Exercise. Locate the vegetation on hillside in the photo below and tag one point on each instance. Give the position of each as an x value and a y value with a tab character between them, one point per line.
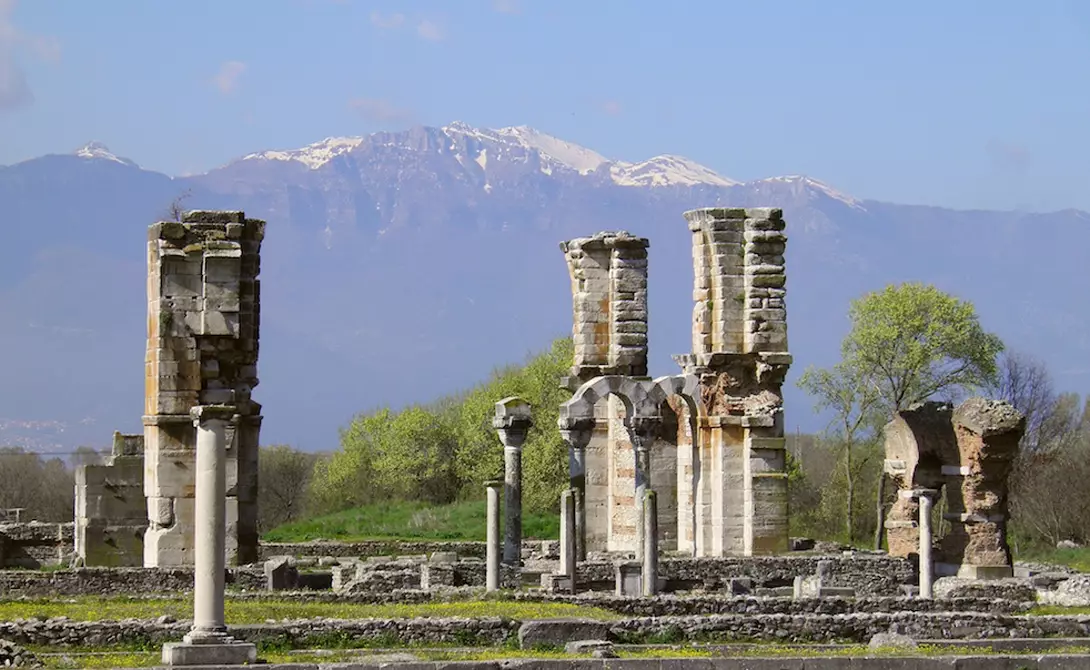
444	452
407	520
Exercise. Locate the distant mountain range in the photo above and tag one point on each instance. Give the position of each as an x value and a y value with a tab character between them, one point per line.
402	266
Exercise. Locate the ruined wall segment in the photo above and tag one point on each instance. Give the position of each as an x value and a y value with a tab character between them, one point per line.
203	323
967	454
988	433
111	513
740	354
608	274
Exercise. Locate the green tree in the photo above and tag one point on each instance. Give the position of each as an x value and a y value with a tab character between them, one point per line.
284	477
907	343
912	342
853	402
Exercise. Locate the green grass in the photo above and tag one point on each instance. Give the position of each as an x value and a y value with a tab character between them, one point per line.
1079	558
407	521
260	610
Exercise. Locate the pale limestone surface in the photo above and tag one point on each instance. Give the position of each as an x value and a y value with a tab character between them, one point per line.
203	320
714	434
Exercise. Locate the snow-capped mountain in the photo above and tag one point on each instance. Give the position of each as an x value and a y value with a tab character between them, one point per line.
98	151
519	144
400	266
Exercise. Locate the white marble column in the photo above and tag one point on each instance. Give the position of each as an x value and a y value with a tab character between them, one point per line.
492	539
926	562
208	643
513	422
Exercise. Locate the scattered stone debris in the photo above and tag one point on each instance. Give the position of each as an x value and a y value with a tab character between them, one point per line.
14	656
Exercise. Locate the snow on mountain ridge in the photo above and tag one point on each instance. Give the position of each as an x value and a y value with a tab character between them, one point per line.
313	155
667	171
807	182
555	153
96	149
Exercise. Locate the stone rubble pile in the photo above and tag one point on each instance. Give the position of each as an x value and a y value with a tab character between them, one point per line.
14	656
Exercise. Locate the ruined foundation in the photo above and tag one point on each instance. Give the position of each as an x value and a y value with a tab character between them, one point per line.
203	320
111	512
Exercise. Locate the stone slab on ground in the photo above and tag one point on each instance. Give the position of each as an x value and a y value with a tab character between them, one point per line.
558	632
232	653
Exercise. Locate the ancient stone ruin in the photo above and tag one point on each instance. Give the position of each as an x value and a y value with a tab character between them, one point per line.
202	348
964	455
710	440
203	319
111	512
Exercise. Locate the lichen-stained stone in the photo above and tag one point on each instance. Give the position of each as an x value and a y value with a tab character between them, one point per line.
203	329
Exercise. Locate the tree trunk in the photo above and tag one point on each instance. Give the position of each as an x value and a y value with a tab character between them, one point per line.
851	497
880	526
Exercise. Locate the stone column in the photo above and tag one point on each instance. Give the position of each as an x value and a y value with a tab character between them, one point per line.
512	422
577	434
650	524
568	556
208	642
926	564
492	541
642	431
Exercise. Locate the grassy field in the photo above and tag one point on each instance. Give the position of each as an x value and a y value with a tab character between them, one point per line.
408	521
1078	559
258	611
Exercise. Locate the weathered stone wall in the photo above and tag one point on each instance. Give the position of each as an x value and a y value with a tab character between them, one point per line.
116	581
809	627
203	320
111	512
609	301
35	544
740	355
464	549
868	575
966	454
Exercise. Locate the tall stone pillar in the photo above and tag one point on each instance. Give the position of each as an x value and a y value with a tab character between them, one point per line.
208	642
577	435
512	422
740	354
492	536
609	304
988	433
203	321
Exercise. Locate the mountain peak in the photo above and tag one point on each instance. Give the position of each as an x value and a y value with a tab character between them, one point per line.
803	182
313	155
97	150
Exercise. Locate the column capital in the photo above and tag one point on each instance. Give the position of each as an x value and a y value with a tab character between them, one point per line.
202	413
644	429
513	421
494	484
576	432
930	494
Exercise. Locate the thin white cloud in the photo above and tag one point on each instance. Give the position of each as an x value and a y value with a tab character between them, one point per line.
15	91
612	108
387	21
226	80
507	6
379	110
430	30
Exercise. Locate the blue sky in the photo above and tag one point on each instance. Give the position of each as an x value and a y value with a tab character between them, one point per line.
961	104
